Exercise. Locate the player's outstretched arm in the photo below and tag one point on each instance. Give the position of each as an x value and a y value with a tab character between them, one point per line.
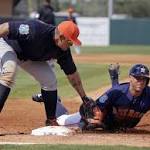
4	29
75	81
91	117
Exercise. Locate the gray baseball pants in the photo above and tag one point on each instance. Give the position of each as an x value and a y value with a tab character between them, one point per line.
40	70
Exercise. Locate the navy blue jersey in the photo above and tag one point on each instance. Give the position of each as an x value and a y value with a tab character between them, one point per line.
121	108
34	40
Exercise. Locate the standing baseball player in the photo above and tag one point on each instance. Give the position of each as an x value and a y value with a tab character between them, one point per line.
71	11
46	13
30	44
120	108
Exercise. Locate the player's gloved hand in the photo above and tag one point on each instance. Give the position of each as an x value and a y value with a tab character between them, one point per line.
88	101
90	114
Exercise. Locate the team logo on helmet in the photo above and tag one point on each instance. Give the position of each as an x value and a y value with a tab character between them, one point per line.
143	70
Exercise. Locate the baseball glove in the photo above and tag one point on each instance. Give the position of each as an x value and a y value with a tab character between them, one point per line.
90	115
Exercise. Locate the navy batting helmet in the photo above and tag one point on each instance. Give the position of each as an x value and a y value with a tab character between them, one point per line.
140	70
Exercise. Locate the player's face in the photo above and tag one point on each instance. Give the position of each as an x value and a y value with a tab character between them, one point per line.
138	83
63	42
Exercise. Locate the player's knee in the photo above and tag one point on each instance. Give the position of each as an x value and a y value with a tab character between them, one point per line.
50	86
8	73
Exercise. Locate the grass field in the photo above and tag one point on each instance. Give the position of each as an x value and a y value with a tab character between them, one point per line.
93	75
69	147
123	49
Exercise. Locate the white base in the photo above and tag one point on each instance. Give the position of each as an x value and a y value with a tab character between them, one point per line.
52	130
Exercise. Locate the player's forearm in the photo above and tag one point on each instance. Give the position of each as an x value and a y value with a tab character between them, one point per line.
4	29
76	83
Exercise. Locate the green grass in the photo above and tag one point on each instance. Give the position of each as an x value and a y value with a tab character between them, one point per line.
123	49
24	86
68	147
93	77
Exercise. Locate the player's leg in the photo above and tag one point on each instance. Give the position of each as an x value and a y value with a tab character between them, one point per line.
8	68
114	74
60	108
38	97
71	119
45	75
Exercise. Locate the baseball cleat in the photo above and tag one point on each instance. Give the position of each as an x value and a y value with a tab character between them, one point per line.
37	98
114	72
51	122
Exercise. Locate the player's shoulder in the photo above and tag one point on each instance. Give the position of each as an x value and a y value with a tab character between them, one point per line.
122	86
29	22
36	22
118	89
41	26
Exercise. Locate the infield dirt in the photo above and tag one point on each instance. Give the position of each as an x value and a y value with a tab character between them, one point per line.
19	116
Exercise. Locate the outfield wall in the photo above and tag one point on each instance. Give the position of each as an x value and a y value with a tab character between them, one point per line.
94	31
100	31
130	31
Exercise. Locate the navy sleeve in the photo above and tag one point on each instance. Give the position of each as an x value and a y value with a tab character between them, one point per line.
66	63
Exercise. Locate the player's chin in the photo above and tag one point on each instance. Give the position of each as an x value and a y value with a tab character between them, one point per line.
64	47
139	89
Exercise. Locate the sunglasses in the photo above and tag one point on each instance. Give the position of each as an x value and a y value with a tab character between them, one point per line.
139	78
69	42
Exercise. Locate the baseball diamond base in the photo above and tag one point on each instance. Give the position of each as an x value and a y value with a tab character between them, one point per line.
18	119
53	130
22	116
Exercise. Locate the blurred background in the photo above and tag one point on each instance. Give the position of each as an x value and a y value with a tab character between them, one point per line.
110	30
103	20
90	8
